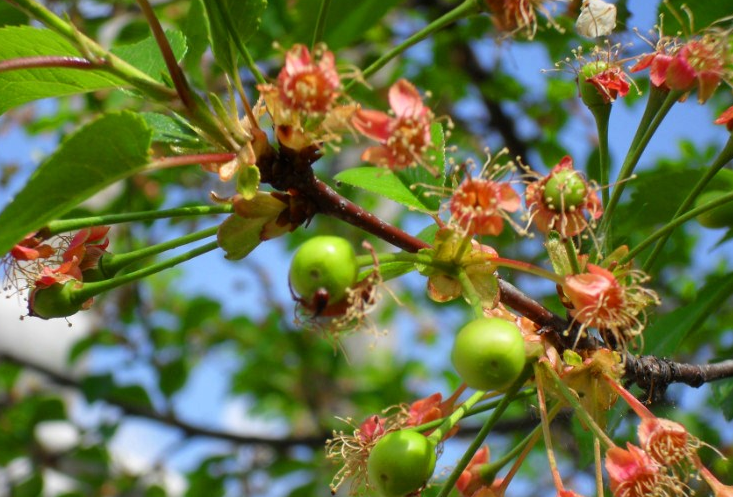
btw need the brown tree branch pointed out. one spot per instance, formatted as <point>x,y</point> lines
<point>188,429</point>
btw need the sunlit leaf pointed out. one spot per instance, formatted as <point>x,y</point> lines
<point>106,150</point>
<point>387,184</point>
<point>243,16</point>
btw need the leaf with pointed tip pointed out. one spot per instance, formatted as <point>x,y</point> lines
<point>21,86</point>
<point>243,16</point>
<point>106,150</point>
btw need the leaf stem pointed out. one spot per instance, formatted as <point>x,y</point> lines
<point>89,290</point>
<point>572,254</point>
<point>111,264</point>
<point>658,105</point>
<point>470,293</point>
<point>107,61</point>
<point>525,267</point>
<point>179,79</point>
<point>570,398</point>
<point>602,114</point>
<point>64,225</point>
<point>670,226</point>
<point>725,156</point>
<point>465,9</point>
<point>42,61</point>
<point>508,398</point>
<point>320,23</point>
<point>450,421</point>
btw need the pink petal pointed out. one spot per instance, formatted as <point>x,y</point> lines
<point>405,100</point>
<point>373,124</point>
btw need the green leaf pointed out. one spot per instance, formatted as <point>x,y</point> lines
<point>172,131</point>
<point>10,16</point>
<point>106,150</point>
<point>387,184</point>
<point>723,397</point>
<point>146,56</point>
<point>244,17</point>
<point>665,336</point>
<point>346,21</point>
<point>22,86</point>
<point>195,28</point>
<point>173,376</point>
<point>704,14</point>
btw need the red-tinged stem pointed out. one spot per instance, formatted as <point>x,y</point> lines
<point>546,430</point>
<point>528,268</point>
<point>639,408</point>
<point>188,160</point>
<point>179,79</point>
<point>719,489</point>
<point>42,61</point>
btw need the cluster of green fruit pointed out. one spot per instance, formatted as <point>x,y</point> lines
<point>488,354</point>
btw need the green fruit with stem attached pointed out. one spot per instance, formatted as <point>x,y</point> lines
<point>324,264</point>
<point>56,301</point>
<point>401,463</point>
<point>489,354</point>
<point>719,217</point>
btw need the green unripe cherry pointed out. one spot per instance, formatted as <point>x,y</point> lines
<point>56,301</point>
<point>720,217</point>
<point>324,263</point>
<point>488,353</point>
<point>401,463</point>
<point>565,189</point>
<point>589,93</point>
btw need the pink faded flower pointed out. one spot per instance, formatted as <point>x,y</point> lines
<point>480,205</point>
<point>470,480</point>
<point>87,246</point>
<point>667,442</point>
<point>658,63</point>
<point>633,473</point>
<point>405,138</point>
<point>308,83</point>
<point>726,118</point>
<point>699,63</point>
<point>601,301</point>
<point>577,199</point>
<point>429,409</point>
<point>31,248</point>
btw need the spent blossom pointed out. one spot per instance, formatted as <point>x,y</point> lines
<point>404,137</point>
<point>611,302</point>
<point>633,473</point>
<point>512,17</point>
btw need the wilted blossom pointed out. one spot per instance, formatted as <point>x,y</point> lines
<point>633,473</point>
<point>603,301</point>
<point>304,101</point>
<point>699,64</point>
<point>472,484</point>
<point>726,118</point>
<point>404,138</point>
<point>568,220</point>
<point>31,248</point>
<point>480,205</point>
<point>516,16</point>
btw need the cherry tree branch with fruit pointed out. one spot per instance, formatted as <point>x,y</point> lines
<point>271,135</point>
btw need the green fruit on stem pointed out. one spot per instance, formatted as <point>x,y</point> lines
<point>564,190</point>
<point>488,353</point>
<point>401,463</point>
<point>720,217</point>
<point>55,301</point>
<point>324,263</point>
